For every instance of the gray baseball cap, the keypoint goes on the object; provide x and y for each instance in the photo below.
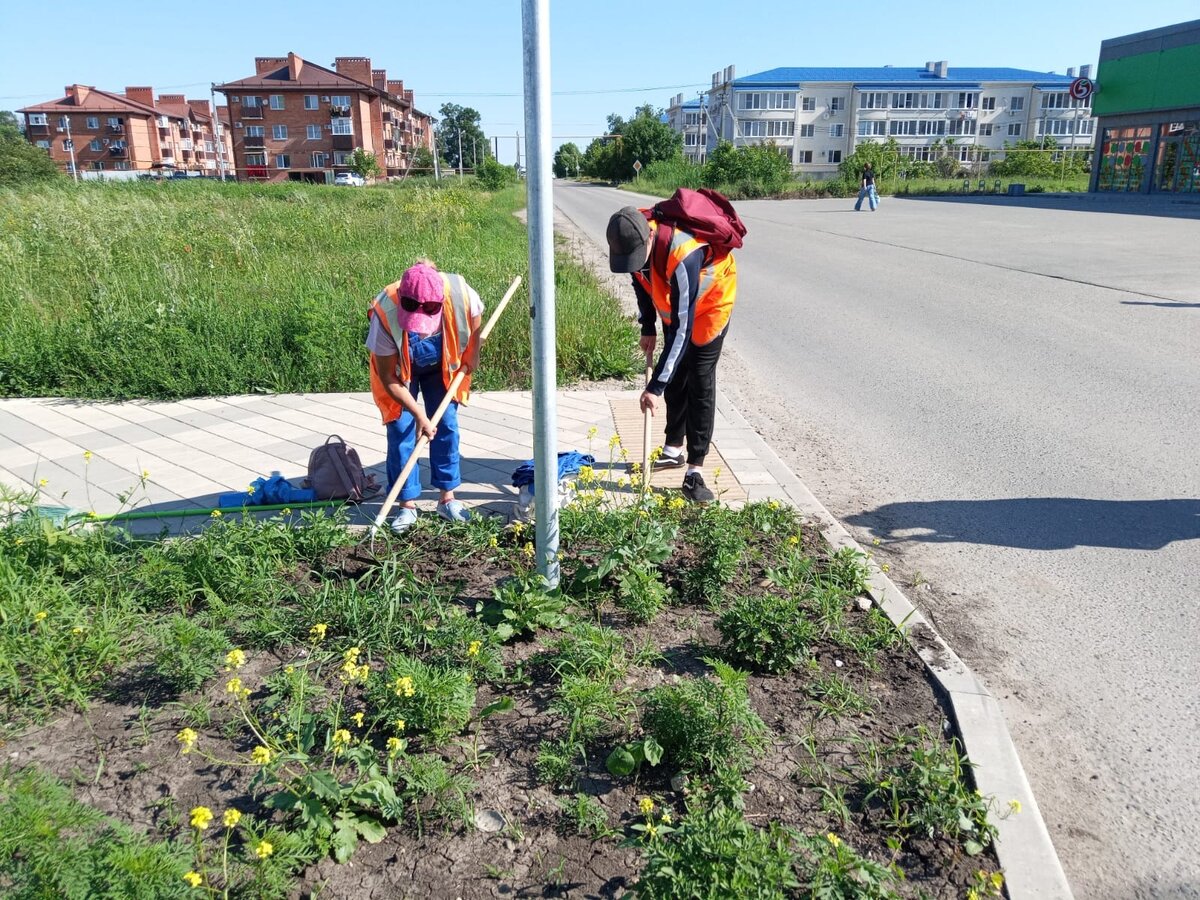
(628, 234)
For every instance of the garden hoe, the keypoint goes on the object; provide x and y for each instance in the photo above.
(415, 456)
(646, 427)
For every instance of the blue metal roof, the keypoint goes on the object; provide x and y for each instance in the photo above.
(891, 75)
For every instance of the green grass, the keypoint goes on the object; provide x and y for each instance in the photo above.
(178, 290)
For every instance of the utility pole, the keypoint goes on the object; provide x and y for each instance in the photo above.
(474, 154)
(535, 18)
(460, 153)
(519, 147)
(496, 146)
(71, 147)
(218, 129)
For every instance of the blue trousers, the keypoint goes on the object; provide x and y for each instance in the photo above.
(869, 193)
(444, 471)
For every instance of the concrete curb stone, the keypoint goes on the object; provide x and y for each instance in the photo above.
(1031, 867)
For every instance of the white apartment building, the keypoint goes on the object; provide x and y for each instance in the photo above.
(817, 116)
(690, 119)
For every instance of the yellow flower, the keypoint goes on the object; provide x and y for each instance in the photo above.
(42, 482)
(473, 648)
(87, 455)
(145, 474)
(363, 672)
(651, 830)
(875, 543)
(592, 432)
(675, 503)
(77, 630)
(357, 719)
(622, 481)
(187, 740)
(614, 441)
(400, 725)
(317, 632)
(972, 894)
(517, 528)
(263, 849)
(235, 659)
(493, 543)
(833, 839)
(341, 739)
(404, 686)
(286, 511)
(216, 514)
(261, 755)
(666, 818)
(717, 474)
(646, 805)
(394, 744)
(528, 550)
(40, 616)
(195, 879)
(774, 504)
(793, 540)
(1014, 806)
(997, 880)
(586, 474)
(234, 686)
(231, 818)
(288, 670)
(250, 489)
(201, 817)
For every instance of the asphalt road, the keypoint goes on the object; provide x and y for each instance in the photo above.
(1006, 396)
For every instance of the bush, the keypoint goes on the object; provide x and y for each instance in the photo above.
(494, 175)
(705, 723)
(769, 633)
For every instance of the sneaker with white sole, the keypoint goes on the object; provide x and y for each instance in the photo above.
(405, 519)
(665, 461)
(454, 511)
(695, 490)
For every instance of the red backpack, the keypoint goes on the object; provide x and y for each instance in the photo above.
(704, 214)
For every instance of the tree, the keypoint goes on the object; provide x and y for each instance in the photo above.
(421, 161)
(756, 169)
(493, 174)
(598, 158)
(644, 138)
(364, 163)
(456, 120)
(567, 160)
(21, 161)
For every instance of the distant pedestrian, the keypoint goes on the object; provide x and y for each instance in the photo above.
(691, 288)
(424, 328)
(867, 189)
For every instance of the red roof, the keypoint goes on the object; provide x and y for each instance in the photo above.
(92, 100)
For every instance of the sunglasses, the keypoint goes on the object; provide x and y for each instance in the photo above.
(408, 304)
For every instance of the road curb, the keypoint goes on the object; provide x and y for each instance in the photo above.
(1031, 867)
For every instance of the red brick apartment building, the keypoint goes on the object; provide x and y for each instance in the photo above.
(129, 132)
(294, 120)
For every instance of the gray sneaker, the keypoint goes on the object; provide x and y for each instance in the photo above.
(695, 490)
(454, 511)
(405, 519)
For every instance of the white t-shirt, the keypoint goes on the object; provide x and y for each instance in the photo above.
(380, 342)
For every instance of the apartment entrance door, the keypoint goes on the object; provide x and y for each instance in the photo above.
(1177, 169)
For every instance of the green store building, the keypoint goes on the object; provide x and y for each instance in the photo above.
(1148, 109)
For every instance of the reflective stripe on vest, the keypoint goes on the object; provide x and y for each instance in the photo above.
(717, 289)
(456, 336)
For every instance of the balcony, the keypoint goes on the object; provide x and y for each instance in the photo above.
(116, 129)
(39, 129)
(389, 144)
(118, 152)
(254, 143)
(339, 112)
(252, 112)
(343, 142)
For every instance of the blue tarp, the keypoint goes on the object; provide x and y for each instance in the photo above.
(267, 492)
(569, 463)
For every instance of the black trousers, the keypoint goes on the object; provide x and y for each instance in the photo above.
(691, 398)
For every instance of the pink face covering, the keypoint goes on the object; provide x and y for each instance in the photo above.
(424, 284)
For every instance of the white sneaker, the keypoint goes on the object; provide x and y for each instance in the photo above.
(454, 511)
(405, 519)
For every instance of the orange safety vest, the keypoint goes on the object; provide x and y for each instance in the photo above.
(456, 340)
(718, 284)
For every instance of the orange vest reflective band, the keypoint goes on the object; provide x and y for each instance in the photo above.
(718, 285)
(456, 339)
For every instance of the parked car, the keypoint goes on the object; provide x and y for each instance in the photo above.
(349, 178)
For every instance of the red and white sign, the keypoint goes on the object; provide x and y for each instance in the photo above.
(1082, 88)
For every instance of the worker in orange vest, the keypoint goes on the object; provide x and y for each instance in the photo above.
(424, 329)
(678, 281)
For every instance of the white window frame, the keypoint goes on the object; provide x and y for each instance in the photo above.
(45, 145)
(835, 157)
(258, 131)
(931, 126)
(873, 100)
(963, 126)
(1016, 104)
(837, 130)
(341, 158)
(782, 127)
(906, 100)
(312, 101)
(872, 128)
(985, 130)
(340, 100)
(988, 103)
(319, 159)
(279, 132)
(1014, 129)
(808, 104)
(283, 160)
(807, 131)
(38, 119)
(804, 157)
(313, 132)
(967, 99)
(837, 104)
(253, 102)
(756, 100)
(342, 125)
(257, 158)
(277, 101)
(93, 123)
(94, 145)
(902, 127)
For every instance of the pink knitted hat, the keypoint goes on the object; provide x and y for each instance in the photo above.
(424, 284)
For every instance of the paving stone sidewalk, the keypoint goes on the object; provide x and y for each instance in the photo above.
(196, 450)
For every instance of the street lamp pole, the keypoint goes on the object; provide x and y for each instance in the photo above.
(71, 148)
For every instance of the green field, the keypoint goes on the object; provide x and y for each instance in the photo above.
(169, 290)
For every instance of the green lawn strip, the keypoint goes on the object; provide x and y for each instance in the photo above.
(165, 290)
(345, 693)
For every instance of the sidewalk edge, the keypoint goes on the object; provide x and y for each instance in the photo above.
(1027, 854)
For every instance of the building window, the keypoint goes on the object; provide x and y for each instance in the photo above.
(283, 161)
(279, 132)
(967, 99)
(314, 132)
(37, 118)
(783, 127)
(93, 123)
(808, 104)
(114, 122)
(121, 166)
(985, 130)
(342, 126)
(837, 104)
(767, 100)
(902, 100)
(318, 160)
(94, 146)
(340, 100)
(277, 101)
(256, 159)
(962, 126)
(873, 101)
(806, 131)
(253, 102)
(1014, 129)
(1016, 104)
(310, 101)
(838, 130)
(1055, 101)
(254, 131)
(341, 158)
(988, 103)
(835, 156)
(45, 145)
(872, 129)
(902, 126)
(1087, 126)
(98, 166)
(804, 156)
(68, 145)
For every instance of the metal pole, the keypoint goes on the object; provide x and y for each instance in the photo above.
(437, 151)
(460, 153)
(217, 129)
(71, 147)
(535, 17)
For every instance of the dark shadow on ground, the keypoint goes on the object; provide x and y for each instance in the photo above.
(1166, 305)
(1183, 206)
(1037, 523)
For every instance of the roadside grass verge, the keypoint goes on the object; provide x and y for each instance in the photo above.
(171, 290)
(247, 707)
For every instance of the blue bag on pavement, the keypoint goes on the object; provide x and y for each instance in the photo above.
(268, 492)
(569, 463)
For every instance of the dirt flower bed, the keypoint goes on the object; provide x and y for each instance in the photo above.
(706, 706)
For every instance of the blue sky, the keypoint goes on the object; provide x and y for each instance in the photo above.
(607, 56)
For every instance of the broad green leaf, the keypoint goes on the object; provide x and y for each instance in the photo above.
(504, 704)
(621, 762)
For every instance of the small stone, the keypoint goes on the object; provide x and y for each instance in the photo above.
(864, 603)
(838, 663)
(488, 820)
(509, 845)
(678, 783)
